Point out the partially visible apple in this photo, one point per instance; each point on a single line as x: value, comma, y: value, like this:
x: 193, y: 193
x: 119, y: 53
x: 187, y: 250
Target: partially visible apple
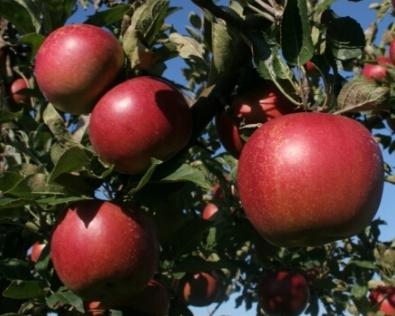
x: 283, y: 293
x: 200, y: 289
x: 392, y: 51
x: 95, y: 308
x: 101, y: 250
x: 374, y: 72
x: 37, y: 249
x: 293, y: 174
x: 209, y: 211
x: 311, y: 69
x: 153, y: 300
x: 76, y: 64
x: 16, y: 86
x: 383, y: 297
x: 140, y: 119
x: 262, y: 103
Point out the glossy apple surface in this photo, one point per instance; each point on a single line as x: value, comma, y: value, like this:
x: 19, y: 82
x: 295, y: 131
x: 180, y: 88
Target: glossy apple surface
x: 384, y: 299
x: 283, y: 293
x: 200, y: 289
x: 153, y: 300
x: 310, y: 178
x: 101, y: 250
x: 139, y: 119
x: 16, y: 86
x: 262, y: 103
x: 37, y: 249
x: 76, y: 64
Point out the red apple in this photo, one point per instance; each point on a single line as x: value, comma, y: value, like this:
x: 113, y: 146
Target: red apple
x: 139, y: 119
x: 153, y: 300
x: 283, y: 293
x: 310, y: 178
x: 37, y: 249
x: 200, y: 289
x: 383, y: 297
x: 392, y: 51
x: 209, y: 211
x: 16, y: 86
x: 374, y: 72
x: 311, y: 69
x: 262, y: 103
x: 76, y: 64
x: 95, y: 308
x: 101, y: 250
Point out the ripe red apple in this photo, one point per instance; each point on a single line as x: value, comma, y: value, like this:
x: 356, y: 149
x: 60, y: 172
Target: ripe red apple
x: 101, y: 250
x: 262, y: 103
x: 200, y: 289
x: 76, y: 64
x: 310, y: 178
x: 392, y: 51
x: 153, y: 300
x: 95, y: 308
x: 16, y: 86
x: 37, y: 249
x: 374, y: 72
x: 283, y: 293
x: 209, y: 211
x: 139, y: 119
x: 383, y: 297
x: 311, y: 69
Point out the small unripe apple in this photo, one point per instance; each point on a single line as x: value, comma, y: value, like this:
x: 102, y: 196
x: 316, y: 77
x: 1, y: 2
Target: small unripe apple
x: 310, y: 178
x: 200, y: 289
x: 101, y: 250
x: 37, y: 249
x: 137, y: 120
x: 209, y: 211
x: 283, y: 293
x: 76, y: 64
x: 153, y: 300
x: 16, y: 86
x: 383, y: 297
x: 262, y: 103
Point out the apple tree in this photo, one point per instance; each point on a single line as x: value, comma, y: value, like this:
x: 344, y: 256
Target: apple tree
x: 126, y: 190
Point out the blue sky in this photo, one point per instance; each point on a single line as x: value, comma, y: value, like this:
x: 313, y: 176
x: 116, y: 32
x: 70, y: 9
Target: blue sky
x: 357, y: 10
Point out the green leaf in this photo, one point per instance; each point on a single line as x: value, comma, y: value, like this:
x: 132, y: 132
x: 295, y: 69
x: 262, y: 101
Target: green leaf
x: 15, y: 269
x: 8, y: 180
x: 296, y: 41
x: 17, y: 14
x: 7, y: 116
x: 110, y: 16
x: 55, y: 200
x: 34, y: 40
x: 56, y: 12
x: 73, y: 159
x: 146, y: 177
x: 148, y: 19
x: 23, y: 290
x: 56, y: 124
x: 195, y: 20
x: 183, y: 173
x: 34, y: 185
x: 187, y: 47
x: 65, y: 296
x: 363, y: 264
x: 345, y: 38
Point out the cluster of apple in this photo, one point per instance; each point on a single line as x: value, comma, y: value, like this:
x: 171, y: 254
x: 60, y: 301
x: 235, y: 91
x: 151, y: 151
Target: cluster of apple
x: 77, y: 69
x: 379, y: 71
x: 303, y: 178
